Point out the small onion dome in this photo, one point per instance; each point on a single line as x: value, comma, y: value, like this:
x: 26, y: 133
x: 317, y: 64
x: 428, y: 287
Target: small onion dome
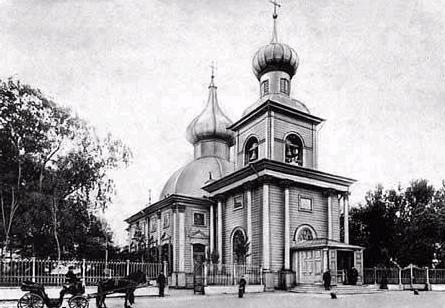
x: 275, y: 57
x: 211, y: 123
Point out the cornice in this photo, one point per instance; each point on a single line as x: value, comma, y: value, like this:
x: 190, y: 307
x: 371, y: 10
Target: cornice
x: 271, y: 105
x: 277, y: 167
x: 172, y: 201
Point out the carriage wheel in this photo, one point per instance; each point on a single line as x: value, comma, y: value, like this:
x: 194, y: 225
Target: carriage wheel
x: 78, y: 301
x: 30, y: 300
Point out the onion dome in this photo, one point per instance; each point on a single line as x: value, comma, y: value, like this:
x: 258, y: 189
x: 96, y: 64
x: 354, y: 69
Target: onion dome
x: 211, y: 123
x: 275, y: 56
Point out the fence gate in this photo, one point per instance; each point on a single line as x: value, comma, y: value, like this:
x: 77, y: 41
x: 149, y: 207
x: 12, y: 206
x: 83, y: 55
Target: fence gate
x: 198, y: 278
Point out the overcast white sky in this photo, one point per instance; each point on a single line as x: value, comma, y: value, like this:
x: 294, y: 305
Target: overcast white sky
x: 375, y: 69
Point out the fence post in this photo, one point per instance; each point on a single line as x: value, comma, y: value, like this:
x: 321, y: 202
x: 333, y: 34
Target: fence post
x: 411, y: 273
x: 33, y: 278
x: 205, y: 274
x: 400, y: 276
x: 375, y: 275
x: 428, y: 278
x: 233, y: 273
x: 261, y: 275
x: 128, y: 268
x: 84, y: 265
x: 165, y: 268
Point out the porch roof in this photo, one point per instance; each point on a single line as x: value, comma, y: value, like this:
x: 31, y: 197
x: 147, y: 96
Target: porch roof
x: 323, y: 243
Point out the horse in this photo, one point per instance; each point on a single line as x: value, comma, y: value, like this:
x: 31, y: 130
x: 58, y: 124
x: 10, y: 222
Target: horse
x: 125, y: 285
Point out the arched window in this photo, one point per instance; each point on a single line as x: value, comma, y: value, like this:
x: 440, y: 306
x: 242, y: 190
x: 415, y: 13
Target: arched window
x: 265, y: 87
x: 293, y: 150
x: 304, y: 233
x: 284, y: 86
x: 251, y: 150
x: 240, y: 246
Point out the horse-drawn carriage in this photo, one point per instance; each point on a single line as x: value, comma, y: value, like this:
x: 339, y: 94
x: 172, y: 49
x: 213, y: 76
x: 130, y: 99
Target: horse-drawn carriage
x: 36, y: 297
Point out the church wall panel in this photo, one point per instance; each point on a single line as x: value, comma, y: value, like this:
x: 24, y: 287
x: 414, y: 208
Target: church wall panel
x: 276, y: 227
x: 256, y: 246
x: 317, y: 218
x: 257, y: 128
x: 336, y: 218
x: 189, y: 226
x: 282, y: 126
x: 232, y: 219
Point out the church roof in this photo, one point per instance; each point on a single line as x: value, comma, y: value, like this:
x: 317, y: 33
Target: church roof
x: 323, y: 243
x: 211, y: 123
x: 190, y: 179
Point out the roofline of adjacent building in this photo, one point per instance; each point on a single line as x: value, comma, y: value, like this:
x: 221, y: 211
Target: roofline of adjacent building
x: 171, y: 200
x: 282, y: 171
x: 275, y: 106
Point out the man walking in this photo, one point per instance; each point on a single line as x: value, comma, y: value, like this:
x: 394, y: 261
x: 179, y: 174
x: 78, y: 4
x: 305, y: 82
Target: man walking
x: 327, y: 280
x: 161, y: 284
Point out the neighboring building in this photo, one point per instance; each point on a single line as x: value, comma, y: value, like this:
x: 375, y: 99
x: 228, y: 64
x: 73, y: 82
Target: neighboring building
x: 270, y: 195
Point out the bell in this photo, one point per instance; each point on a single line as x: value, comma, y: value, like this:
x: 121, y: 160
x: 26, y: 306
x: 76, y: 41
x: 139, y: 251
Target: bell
x: 288, y: 152
x: 253, y: 156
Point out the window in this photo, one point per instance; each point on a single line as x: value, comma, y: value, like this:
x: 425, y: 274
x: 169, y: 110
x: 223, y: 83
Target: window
x: 166, y: 220
x: 240, y: 246
x: 305, y: 234
x: 153, y: 224
x: 293, y: 150
x: 199, y: 219
x: 284, y: 86
x: 251, y: 150
x: 238, y: 202
x: 265, y: 87
x: 305, y: 204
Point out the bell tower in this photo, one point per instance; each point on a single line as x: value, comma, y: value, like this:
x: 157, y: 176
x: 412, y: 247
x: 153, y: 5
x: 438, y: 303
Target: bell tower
x: 277, y: 126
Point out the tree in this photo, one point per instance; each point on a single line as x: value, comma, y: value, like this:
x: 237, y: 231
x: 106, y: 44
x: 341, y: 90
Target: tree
x: 51, y: 162
x: 400, y: 226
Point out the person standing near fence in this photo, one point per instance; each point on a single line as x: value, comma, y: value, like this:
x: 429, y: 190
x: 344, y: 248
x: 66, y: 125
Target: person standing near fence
x: 161, y: 284
x: 242, y: 287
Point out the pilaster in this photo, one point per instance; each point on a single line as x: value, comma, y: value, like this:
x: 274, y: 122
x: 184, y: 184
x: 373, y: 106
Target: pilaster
x: 248, y: 188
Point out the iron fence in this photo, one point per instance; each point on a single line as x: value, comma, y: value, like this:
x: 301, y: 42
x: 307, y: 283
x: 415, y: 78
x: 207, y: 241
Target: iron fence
x: 52, y: 272
x: 405, y: 276
x: 230, y: 274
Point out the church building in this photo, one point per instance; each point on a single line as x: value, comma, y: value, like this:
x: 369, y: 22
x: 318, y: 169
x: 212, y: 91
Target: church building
x: 269, y: 194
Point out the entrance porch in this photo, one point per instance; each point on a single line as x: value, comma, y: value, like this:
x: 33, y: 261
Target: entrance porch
x: 311, y: 258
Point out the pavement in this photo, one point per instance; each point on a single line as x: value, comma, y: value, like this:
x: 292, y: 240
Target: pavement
x: 185, y: 298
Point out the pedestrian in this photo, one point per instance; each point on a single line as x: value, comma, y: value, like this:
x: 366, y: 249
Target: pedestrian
x: 354, y: 276
x: 242, y: 287
x: 327, y: 280
x: 161, y: 284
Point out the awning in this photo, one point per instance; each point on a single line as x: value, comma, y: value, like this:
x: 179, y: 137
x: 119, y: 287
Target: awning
x: 323, y: 243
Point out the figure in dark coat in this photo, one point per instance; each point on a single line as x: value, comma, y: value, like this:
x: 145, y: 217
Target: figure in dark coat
x: 72, y: 284
x: 161, y: 284
x: 242, y: 287
x: 353, y: 276
x: 327, y: 280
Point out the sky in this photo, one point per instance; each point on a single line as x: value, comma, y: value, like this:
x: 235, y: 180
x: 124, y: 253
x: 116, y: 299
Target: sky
x: 375, y: 69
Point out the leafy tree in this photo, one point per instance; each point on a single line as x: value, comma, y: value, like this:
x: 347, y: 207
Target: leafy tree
x: 401, y: 226
x: 54, y: 167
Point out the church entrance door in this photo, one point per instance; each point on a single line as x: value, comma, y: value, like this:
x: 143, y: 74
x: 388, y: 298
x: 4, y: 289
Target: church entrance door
x: 310, y: 266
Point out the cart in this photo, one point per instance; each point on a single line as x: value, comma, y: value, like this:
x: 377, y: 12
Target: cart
x: 36, y: 297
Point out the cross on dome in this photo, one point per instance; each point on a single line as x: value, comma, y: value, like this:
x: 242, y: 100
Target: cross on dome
x: 275, y: 15
x: 275, y: 5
